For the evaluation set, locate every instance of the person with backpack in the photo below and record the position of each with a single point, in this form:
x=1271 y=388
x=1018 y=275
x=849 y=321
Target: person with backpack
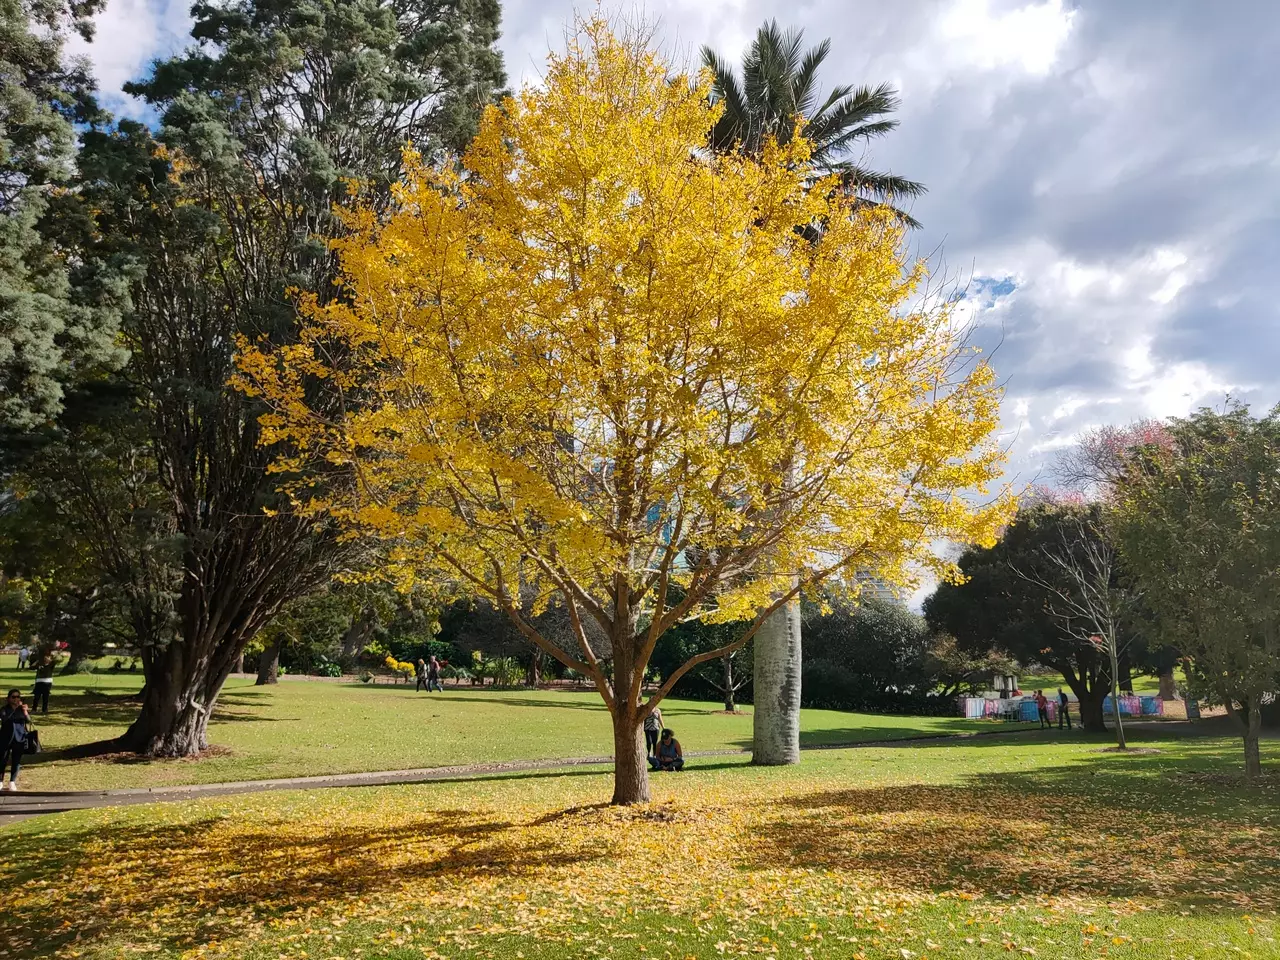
x=668 y=755
x=652 y=727
x=15 y=718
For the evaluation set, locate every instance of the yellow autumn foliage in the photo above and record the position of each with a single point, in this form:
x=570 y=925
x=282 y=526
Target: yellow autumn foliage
x=596 y=361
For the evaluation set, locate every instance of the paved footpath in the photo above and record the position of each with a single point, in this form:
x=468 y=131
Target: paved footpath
x=21 y=806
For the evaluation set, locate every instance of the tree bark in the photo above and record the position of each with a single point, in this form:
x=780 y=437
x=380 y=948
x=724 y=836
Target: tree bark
x=177 y=701
x=1168 y=686
x=1252 y=751
x=727 y=661
x=776 y=718
x=630 y=767
x=269 y=665
x=1091 y=711
x=240 y=663
x=1115 y=697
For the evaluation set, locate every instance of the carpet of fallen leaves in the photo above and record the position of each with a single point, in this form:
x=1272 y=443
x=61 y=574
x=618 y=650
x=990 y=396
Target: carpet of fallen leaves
x=441 y=872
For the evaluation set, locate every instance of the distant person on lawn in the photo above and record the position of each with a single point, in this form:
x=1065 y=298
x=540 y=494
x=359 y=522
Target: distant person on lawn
x=433 y=674
x=24 y=658
x=420 y=672
x=1064 y=712
x=668 y=756
x=44 y=683
x=1042 y=707
x=14 y=719
x=652 y=727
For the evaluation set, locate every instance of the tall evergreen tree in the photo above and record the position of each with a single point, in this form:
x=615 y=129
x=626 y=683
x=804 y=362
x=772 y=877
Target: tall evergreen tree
x=57 y=318
x=267 y=121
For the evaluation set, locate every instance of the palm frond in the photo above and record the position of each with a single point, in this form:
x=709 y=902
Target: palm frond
x=804 y=85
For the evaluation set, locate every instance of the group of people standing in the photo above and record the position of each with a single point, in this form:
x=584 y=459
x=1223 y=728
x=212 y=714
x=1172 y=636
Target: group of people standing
x=1064 y=711
x=428 y=673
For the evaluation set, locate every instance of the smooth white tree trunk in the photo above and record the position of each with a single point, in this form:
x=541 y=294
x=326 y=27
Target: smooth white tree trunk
x=776 y=679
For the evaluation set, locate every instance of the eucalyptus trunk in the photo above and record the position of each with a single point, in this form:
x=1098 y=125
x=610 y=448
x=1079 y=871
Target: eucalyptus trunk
x=269 y=665
x=776 y=680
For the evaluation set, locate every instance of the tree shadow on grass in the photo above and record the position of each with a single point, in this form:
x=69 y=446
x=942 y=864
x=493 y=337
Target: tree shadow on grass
x=216 y=892
x=1109 y=827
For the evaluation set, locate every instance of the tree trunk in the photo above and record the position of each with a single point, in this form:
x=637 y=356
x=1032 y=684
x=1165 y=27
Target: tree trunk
x=1126 y=675
x=1115 y=697
x=1091 y=711
x=727 y=662
x=76 y=656
x=1252 y=732
x=357 y=636
x=269 y=665
x=630 y=767
x=776 y=718
x=240 y=663
x=1168 y=686
x=177 y=701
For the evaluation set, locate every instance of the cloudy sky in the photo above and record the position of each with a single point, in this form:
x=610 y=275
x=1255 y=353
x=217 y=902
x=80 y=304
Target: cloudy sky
x=1105 y=174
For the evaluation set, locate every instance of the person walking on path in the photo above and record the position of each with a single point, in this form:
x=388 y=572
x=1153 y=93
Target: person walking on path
x=1064 y=711
x=668 y=756
x=433 y=675
x=14 y=720
x=420 y=673
x=652 y=727
x=44 y=683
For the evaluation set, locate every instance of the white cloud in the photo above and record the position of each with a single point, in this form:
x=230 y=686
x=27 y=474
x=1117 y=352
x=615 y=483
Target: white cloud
x=129 y=35
x=971 y=35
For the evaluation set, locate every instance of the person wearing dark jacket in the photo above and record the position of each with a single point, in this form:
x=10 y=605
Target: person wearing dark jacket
x=668 y=756
x=14 y=720
x=44 y=683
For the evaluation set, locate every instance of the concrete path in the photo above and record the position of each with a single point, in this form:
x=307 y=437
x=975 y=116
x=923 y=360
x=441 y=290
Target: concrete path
x=20 y=806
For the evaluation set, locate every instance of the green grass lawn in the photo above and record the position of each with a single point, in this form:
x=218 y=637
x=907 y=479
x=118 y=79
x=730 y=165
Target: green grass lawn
x=1029 y=846
x=1143 y=686
x=306 y=728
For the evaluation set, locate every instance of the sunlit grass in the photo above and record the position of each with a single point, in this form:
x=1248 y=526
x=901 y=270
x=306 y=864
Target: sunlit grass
x=990 y=848
x=309 y=728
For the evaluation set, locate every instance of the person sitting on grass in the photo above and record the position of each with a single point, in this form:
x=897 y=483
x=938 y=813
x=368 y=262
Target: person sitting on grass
x=668 y=756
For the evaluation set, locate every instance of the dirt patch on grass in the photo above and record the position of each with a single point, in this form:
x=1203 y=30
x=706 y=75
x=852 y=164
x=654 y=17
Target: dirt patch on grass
x=125 y=757
x=1130 y=751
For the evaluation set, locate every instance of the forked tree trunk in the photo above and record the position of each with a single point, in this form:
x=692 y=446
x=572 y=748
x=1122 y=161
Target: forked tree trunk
x=776 y=718
x=269 y=665
x=177 y=701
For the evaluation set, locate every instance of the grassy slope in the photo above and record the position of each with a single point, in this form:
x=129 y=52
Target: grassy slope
x=1006 y=847
x=304 y=728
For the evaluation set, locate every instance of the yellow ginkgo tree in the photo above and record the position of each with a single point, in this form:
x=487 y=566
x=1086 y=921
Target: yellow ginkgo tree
x=599 y=365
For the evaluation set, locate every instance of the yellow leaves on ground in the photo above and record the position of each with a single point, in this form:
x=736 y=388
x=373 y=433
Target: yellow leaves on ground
x=767 y=862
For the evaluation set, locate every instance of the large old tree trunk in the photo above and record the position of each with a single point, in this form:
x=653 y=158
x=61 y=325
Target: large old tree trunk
x=1168 y=686
x=182 y=686
x=1091 y=711
x=269 y=665
x=776 y=719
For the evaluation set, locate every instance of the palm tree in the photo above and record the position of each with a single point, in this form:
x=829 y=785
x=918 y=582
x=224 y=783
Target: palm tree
x=779 y=86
